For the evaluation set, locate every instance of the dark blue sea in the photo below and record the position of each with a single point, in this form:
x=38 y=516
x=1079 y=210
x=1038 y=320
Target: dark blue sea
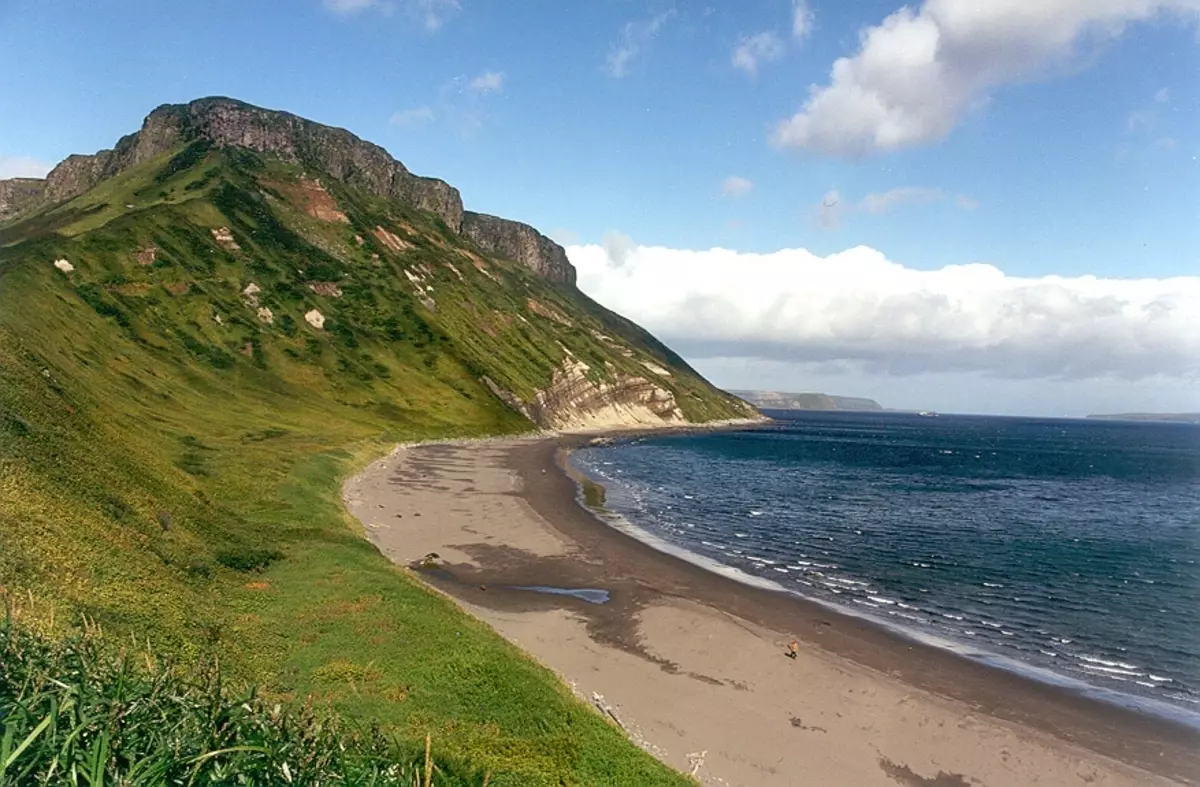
x=1066 y=549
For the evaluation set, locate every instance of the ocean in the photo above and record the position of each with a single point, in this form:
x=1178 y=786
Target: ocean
x=1065 y=549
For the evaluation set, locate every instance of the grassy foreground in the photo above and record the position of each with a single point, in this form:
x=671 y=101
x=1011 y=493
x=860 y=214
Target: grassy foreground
x=73 y=712
x=171 y=465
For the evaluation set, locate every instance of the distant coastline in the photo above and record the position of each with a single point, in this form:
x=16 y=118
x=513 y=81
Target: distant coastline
x=785 y=400
x=1193 y=418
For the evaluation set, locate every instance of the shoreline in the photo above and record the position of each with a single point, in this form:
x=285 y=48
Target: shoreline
x=528 y=529
x=1153 y=709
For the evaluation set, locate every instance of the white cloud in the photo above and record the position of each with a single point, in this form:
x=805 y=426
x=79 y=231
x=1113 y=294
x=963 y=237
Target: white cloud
x=833 y=208
x=735 y=186
x=1140 y=121
x=862 y=311
x=412 y=117
x=488 y=82
x=919 y=71
x=883 y=201
x=1162 y=96
x=634 y=38
x=564 y=236
x=802 y=20
x=752 y=50
x=22 y=167
x=431 y=13
x=349 y=6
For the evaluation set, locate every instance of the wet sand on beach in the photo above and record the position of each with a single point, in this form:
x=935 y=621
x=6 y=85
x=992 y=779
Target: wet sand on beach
x=692 y=663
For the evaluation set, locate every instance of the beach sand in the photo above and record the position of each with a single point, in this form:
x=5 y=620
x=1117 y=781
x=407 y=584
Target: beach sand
x=692 y=663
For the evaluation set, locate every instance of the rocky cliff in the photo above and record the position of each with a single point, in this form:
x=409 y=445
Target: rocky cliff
x=521 y=243
x=18 y=194
x=574 y=401
x=224 y=122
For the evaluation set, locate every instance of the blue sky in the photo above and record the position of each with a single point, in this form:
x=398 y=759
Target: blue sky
x=1059 y=141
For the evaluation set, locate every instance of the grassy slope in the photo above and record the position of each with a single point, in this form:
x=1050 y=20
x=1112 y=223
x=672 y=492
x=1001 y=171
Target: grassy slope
x=179 y=479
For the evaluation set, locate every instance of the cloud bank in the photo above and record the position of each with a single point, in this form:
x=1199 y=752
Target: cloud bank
x=859 y=309
x=917 y=72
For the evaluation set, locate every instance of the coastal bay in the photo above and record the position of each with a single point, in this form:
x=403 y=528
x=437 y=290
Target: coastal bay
x=692 y=663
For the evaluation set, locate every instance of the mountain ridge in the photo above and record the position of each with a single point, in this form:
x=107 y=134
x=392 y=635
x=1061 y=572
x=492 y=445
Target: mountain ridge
x=225 y=122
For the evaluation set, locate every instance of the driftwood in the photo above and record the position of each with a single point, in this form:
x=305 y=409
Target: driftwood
x=599 y=701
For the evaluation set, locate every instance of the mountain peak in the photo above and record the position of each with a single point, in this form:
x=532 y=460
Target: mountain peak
x=223 y=122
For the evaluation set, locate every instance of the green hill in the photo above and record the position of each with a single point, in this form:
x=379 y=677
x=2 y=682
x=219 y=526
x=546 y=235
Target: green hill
x=205 y=329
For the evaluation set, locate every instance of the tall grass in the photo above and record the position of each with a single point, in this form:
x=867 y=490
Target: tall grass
x=75 y=712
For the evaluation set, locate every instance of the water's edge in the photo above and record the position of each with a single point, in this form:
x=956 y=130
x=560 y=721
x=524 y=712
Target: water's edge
x=1145 y=705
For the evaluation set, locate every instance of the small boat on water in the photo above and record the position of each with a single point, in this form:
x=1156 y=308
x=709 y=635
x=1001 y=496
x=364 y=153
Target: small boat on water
x=928 y=413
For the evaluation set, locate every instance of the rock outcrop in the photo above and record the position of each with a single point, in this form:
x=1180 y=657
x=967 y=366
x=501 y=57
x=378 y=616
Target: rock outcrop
x=225 y=122
x=521 y=243
x=576 y=402
x=18 y=194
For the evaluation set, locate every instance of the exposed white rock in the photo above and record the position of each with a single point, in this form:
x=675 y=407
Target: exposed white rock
x=573 y=402
x=656 y=369
x=315 y=319
x=64 y=266
x=223 y=236
x=265 y=315
x=250 y=294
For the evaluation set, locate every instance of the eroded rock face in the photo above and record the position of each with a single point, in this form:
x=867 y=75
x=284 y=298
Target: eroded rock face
x=18 y=194
x=519 y=242
x=573 y=402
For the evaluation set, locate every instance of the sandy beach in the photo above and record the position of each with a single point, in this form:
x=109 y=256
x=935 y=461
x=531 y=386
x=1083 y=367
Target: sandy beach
x=692 y=663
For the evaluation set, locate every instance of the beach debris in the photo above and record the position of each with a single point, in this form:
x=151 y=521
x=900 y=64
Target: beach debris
x=696 y=758
x=483 y=587
x=429 y=561
x=608 y=710
x=793 y=649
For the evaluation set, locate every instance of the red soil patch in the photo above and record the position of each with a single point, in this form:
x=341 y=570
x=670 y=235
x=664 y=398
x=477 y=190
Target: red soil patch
x=311 y=197
x=392 y=241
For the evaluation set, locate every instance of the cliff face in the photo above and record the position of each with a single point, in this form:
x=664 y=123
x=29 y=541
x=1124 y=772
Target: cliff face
x=224 y=122
x=575 y=402
x=521 y=243
x=18 y=194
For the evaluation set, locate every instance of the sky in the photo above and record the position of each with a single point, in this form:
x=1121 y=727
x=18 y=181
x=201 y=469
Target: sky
x=988 y=206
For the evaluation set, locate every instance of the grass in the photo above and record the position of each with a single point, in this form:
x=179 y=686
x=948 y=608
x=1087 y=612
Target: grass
x=175 y=476
x=74 y=712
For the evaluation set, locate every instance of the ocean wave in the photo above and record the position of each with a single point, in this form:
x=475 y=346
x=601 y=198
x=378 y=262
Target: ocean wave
x=1096 y=660
x=1113 y=670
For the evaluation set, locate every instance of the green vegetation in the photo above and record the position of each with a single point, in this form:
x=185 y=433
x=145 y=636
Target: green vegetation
x=171 y=456
x=72 y=712
x=593 y=493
